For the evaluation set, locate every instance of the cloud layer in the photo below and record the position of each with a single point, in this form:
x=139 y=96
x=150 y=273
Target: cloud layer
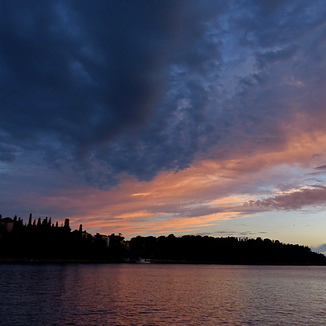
x=143 y=87
x=202 y=99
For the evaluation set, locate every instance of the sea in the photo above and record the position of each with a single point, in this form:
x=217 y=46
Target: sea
x=161 y=294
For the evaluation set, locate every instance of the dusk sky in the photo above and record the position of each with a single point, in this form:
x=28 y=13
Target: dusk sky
x=159 y=117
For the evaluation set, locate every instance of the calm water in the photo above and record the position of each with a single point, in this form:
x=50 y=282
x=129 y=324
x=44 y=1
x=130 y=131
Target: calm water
x=162 y=295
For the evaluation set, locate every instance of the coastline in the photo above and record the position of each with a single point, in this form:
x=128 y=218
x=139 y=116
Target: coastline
x=27 y=261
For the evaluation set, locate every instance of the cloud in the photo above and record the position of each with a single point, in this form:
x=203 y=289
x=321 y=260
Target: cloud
x=322 y=167
x=103 y=90
x=320 y=249
x=314 y=196
x=81 y=76
x=72 y=68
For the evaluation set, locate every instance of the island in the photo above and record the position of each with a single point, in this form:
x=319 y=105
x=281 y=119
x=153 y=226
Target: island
x=42 y=241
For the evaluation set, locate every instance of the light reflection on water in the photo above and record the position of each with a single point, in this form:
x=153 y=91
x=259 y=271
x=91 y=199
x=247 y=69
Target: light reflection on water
x=162 y=295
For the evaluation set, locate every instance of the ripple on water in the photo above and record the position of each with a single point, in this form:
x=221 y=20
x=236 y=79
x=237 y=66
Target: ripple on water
x=162 y=294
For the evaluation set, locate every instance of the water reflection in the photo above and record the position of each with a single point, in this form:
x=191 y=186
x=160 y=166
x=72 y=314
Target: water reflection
x=161 y=294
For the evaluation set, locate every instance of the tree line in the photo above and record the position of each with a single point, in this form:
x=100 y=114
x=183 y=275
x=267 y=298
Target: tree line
x=42 y=240
x=224 y=250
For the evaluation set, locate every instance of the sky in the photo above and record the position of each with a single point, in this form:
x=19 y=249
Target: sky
x=166 y=117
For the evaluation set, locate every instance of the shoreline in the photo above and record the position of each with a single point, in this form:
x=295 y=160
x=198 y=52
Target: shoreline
x=13 y=261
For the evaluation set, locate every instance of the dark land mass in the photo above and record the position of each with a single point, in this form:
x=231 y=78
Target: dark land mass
x=43 y=241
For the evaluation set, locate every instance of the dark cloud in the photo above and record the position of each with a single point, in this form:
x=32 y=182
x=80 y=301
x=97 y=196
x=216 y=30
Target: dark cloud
x=316 y=195
x=139 y=87
x=322 y=167
x=83 y=72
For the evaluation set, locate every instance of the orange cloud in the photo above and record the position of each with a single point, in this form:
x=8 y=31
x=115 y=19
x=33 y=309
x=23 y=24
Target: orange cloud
x=199 y=197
